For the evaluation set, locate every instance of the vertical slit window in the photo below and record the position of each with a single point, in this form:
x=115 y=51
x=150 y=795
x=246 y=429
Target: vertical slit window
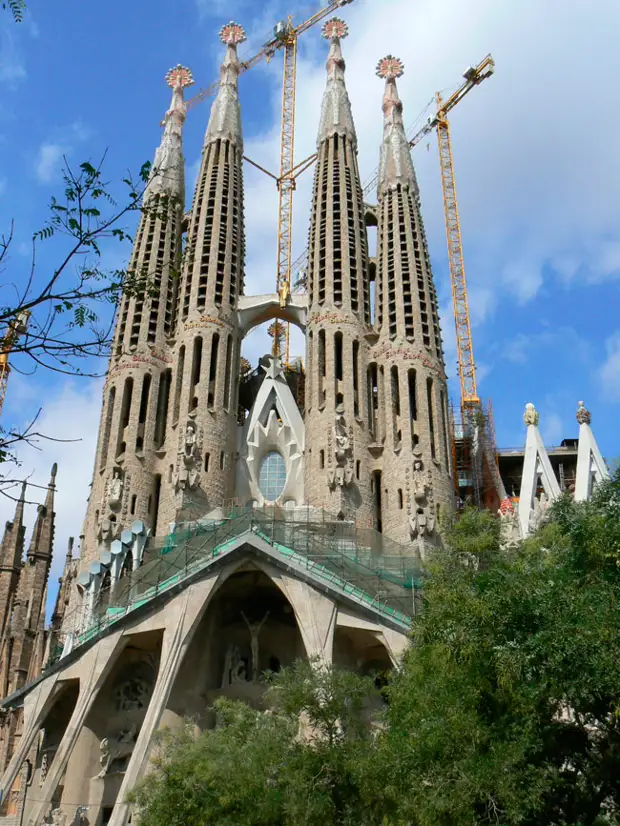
x=107 y=428
x=178 y=384
x=395 y=396
x=337 y=365
x=144 y=406
x=125 y=412
x=322 y=368
x=155 y=502
x=444 y=428
x=229 y=345
x=413 y=398
x=215 y=343
x=431 y=416
x=309 y=382
x=373 y=400
x=196 y=370
x=163 y=399
x=356 y=379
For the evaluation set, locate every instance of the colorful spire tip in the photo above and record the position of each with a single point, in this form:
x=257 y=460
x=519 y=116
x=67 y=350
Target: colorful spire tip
x=179 y=76
x=232 y=34
x=334 y=28
x=390 y=67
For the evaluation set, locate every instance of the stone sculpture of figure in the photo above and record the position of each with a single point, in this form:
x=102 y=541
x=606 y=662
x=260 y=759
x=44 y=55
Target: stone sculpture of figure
x=190 y=440
x=235 y=670
x=422 y=520
x=531 y=414
x=343 y=473
x=254 y=628
x=115 y=488
x=583 y=415
x=510 y=532
x=56 y=817
x=115 y=748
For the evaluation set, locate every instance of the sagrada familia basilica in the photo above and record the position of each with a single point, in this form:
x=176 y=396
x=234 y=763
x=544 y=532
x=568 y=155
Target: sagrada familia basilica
x=237 y=524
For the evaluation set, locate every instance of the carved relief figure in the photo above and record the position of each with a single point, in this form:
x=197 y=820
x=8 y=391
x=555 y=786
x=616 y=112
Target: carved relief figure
x=57 y=817
x=530 y=417
x=190 y=440
x=422 y=518
x=115 y=488
x=134 y=686
x=510 y=533
x=116 y=748
x=254 y=628
x=187 y=473
x=235 y=668
x=343 y=452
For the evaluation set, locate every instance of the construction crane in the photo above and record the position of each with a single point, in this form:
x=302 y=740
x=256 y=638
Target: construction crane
x=16 y=328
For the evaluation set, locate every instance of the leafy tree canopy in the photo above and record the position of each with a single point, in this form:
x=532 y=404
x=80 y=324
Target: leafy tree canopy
x=506 y=708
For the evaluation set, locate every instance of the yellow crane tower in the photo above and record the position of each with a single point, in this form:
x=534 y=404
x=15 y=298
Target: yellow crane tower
x=15 y=329
x=285 y=36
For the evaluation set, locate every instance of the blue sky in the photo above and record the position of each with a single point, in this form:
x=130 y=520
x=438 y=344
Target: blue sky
x=538 y=177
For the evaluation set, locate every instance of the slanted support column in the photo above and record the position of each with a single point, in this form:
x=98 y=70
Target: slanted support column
x=536 y=465
x=36 y=706
x=97 y=664
x=591 y=467
x=182 y=620
x=315 y=615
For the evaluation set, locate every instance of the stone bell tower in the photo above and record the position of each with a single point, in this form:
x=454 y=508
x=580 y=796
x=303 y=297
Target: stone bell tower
x=127 y=478
x=337 y=462
x=204 y=394
x=409 y=380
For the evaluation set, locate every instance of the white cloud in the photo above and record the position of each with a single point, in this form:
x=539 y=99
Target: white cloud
x=50 y=154
x=49 y=158
x=610 y=371
x=537 y=198
x=12 y=66
x=70 y=412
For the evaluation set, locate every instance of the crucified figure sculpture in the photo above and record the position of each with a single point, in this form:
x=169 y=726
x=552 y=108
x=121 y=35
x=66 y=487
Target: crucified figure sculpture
x=254 y=628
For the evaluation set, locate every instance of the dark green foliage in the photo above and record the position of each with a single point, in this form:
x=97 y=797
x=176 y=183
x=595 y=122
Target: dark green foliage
x=17 y=9
x=506 y=709
x=265 y=769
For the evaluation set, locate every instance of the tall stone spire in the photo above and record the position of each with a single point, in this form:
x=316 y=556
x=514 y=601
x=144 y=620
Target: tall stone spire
x=337 y=463
x=225 y=118
x=168 y=174
x=395 y=164
x=409 y=389
x=336 y=116
x=11 y=552
x=204 y=405
x=29 y=602
x=134 y=418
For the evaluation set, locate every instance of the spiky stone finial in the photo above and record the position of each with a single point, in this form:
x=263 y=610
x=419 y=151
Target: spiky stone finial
x=179 y=76
x=583 y=414
x=530 y=417
x=232 y=34
x=390 y=67
x=334 y=28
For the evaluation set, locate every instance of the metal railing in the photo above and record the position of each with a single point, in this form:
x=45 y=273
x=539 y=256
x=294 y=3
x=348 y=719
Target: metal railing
x=359 y=562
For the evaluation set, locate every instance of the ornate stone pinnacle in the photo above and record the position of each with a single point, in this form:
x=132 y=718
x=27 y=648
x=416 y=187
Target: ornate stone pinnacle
x=583 y=415
x=232 y=34
x=530 y=417
x=390 y=67
x=179 y=76
x=334 y=28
